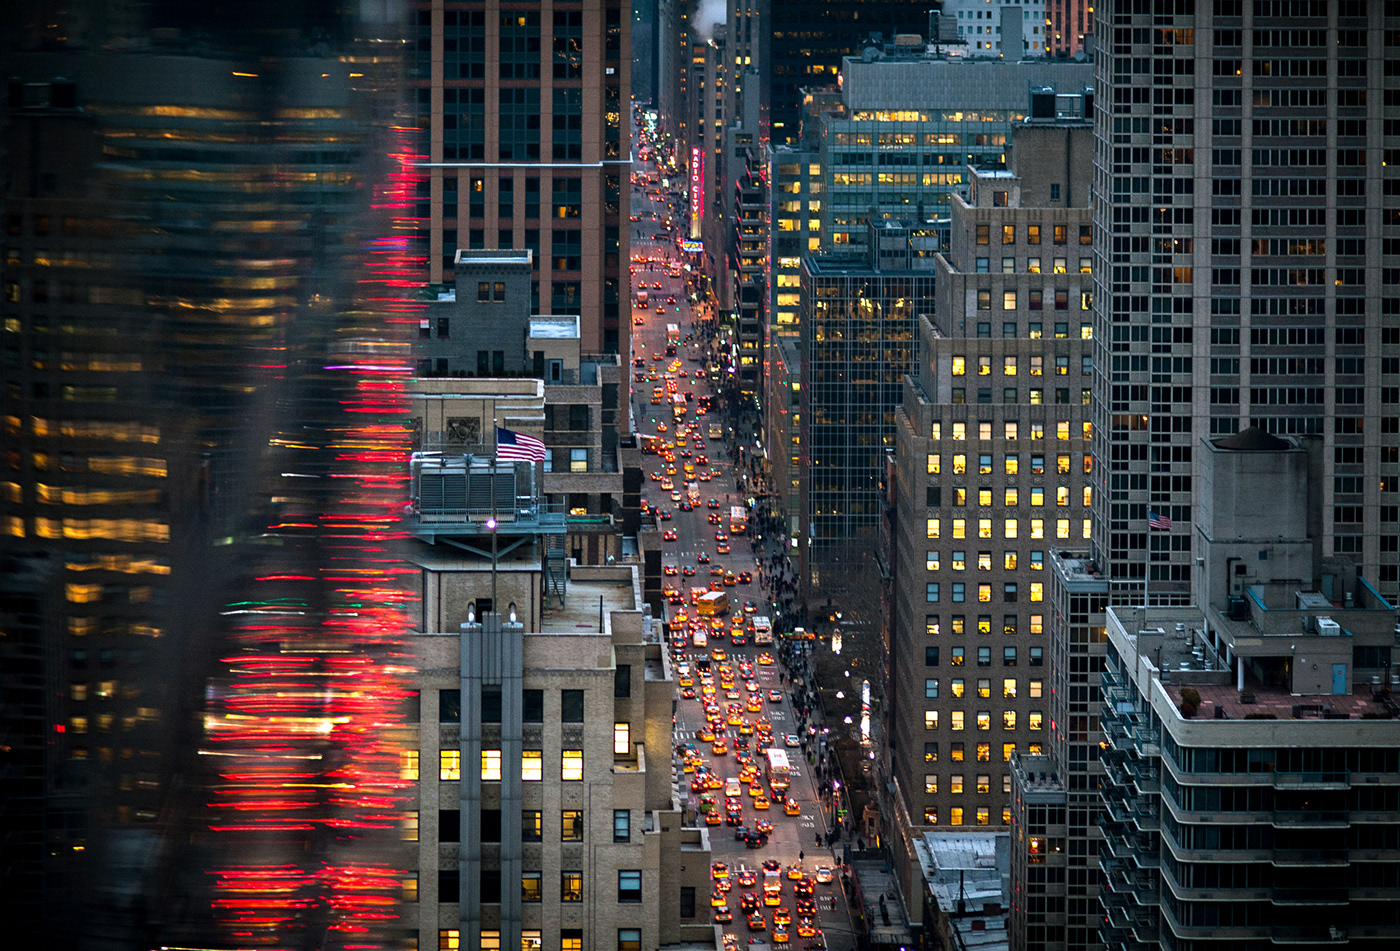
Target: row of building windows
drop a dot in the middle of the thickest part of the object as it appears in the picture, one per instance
(532, 706)
(1010, 365)
(958, 656)
(982, 719)
(1035, 299)
(957, 816)
(570, 939)
(1010, 396)
(957, 751)
(1010, 593)
(1034, 265)
(1011, 495)
(1011, 461)
(983, 688)
(1010, 429)
(531, 762)
(933, 626)
(1011, 528)
(571, 825)
(1059, 234)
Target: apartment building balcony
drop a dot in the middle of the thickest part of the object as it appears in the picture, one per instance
(1320, 895)
(1309, 934)
(1311, 858)
(1328, 780)
(1312, 820)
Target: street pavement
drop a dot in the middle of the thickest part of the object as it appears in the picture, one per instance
(794, 838)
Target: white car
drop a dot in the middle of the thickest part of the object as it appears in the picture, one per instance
(792, 740)
(823, 874)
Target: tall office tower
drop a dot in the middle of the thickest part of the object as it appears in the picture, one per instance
(859, 325)
(994, 475)
(185, 198)
(526, 108)
(1241, 201)
(1069, 25)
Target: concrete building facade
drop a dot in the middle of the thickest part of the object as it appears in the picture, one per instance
(545, 807)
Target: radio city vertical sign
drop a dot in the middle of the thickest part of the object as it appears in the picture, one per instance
(697, 190)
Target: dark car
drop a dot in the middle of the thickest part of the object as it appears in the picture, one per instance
(755, 841)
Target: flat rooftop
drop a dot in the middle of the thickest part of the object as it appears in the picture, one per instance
(1183, 658)
(586, 604)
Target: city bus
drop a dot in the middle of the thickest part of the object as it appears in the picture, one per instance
(642, 298)
(738, 520)
(762, 631)
(716, 430)
(779, 772)
(673, 334)
(679, 407)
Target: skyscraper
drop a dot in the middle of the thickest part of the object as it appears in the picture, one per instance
(527, 115)
(1241, 206)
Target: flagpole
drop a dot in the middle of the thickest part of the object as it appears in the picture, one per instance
(1147, 566)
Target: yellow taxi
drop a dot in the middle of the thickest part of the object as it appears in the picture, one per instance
(761, 802)
(755, 705)
(719, 748)
(687, 681)
(792, 808)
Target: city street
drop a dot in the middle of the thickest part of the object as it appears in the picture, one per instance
(794, 838)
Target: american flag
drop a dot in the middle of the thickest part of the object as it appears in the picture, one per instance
(518, 447)
(1162, 522)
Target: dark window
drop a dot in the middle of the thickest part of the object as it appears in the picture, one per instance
(933, 496)
(622, 681)
(629, 885)
(532, 706)
(622, 825)
(930, 657)
(491, 886)
(687, 901)
(1037, 657)
(490, 704)
(449, 825)
(483, 291)
(498, 292)
(578, 417)
(531, 825)
(490, 825)
(449, 885)
(571, 706)
(449, 706)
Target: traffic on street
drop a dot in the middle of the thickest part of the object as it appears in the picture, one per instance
(740, 754)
